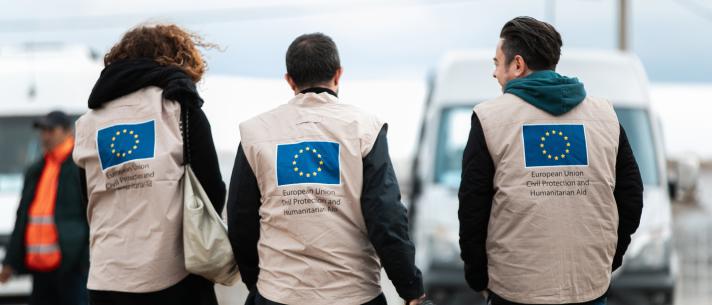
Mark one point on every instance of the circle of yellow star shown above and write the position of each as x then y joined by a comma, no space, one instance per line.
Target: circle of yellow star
542,145
314,152
122,153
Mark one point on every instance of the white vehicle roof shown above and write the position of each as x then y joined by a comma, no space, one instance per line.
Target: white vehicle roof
40,78
466,76
684,110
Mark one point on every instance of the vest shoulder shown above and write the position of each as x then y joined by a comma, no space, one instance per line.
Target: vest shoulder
602,107
150,93
140,96
260,121
341,112
599,102
356,113
370,124
496,104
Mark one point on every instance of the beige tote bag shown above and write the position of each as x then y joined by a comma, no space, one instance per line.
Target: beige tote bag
207,248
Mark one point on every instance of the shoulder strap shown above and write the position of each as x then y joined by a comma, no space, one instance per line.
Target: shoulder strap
185,118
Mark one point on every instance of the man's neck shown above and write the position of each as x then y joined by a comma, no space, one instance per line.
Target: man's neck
319,89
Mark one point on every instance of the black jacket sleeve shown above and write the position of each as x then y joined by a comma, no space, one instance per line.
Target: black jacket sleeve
475,196
83,187
243,219
387,221
629,197
204,158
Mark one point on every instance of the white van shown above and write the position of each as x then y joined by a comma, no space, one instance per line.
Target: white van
36,79
464,79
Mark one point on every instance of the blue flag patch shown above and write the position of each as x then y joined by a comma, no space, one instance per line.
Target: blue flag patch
122,143
308,162
555,145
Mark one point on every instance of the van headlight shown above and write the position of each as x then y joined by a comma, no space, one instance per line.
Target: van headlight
649,251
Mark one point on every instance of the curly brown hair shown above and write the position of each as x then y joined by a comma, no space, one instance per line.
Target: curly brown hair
167,44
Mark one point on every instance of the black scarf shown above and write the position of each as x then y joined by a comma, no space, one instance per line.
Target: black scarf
126,76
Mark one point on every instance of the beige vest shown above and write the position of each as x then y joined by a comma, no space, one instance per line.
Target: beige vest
313,245
135,212
553,228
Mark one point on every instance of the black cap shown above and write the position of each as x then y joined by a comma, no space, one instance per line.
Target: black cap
54,119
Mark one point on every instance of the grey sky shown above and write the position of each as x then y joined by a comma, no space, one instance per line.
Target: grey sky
378,39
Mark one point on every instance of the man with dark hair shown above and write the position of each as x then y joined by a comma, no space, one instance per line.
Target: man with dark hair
312,60
314,206
550,190
51,236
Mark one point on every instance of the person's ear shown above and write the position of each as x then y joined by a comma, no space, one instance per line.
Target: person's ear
520,66
337,76
291,83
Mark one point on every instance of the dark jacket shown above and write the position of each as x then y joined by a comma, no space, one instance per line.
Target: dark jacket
69,216
384,214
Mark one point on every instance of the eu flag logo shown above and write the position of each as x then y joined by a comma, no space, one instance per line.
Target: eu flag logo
121,143
308,162
555,145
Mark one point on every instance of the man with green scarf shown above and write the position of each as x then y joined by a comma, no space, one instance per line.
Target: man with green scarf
550,190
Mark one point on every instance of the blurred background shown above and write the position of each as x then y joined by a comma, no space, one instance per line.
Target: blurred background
420,65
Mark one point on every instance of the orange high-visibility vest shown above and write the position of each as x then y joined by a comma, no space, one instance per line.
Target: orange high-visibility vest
41,237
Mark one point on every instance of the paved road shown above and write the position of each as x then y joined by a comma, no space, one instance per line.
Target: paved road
693,241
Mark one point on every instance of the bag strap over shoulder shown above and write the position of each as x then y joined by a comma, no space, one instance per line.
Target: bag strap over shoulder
185,132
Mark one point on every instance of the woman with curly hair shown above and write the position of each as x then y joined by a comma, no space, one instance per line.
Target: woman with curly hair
130,147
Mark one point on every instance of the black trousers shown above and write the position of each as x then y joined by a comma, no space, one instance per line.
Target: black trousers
193,290
51,288
255,298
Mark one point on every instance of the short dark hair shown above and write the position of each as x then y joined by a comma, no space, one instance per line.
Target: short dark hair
536,41
312,59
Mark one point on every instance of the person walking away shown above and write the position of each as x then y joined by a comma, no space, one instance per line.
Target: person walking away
550,190
314,206
130,146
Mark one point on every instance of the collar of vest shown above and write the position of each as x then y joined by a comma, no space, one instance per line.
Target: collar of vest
315,95
318,90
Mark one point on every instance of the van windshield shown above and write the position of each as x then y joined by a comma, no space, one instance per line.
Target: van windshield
454,129
20,147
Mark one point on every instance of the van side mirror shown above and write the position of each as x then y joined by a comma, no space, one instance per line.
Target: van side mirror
683,175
